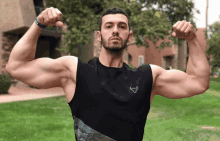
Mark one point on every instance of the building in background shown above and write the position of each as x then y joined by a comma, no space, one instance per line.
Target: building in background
15,19
174,56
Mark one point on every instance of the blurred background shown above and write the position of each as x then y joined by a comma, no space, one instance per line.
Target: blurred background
151,22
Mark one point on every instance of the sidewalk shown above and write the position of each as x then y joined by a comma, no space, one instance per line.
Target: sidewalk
26,93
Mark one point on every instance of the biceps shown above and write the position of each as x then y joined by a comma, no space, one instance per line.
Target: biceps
40,73
177,84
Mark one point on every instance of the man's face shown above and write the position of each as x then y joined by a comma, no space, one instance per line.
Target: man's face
115,32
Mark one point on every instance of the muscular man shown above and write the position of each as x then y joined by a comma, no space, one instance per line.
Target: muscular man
109,100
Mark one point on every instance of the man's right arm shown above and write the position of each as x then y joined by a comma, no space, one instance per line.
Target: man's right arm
24,50
42,72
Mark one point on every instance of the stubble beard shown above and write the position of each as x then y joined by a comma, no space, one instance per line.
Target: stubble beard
115,49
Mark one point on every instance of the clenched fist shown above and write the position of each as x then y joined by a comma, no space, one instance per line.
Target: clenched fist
50,16
184,30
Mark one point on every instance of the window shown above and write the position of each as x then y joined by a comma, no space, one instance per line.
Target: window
140,60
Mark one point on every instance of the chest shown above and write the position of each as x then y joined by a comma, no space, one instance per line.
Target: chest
119,87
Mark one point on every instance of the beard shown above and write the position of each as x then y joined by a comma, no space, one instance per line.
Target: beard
116,47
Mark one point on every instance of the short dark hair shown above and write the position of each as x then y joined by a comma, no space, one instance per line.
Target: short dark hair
114,10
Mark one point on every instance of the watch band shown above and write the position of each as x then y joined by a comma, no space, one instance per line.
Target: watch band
39,24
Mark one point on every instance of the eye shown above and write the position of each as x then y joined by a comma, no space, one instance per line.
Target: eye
122,27
108,26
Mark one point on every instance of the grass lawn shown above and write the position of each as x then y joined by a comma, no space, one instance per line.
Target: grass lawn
182,119
50,119
46,119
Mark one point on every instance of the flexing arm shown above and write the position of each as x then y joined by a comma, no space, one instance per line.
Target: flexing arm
198,65
42,72
24,50
177,84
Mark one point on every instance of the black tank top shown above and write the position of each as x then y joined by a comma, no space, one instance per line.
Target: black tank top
111,104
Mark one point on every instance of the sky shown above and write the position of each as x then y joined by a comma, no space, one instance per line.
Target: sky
213,12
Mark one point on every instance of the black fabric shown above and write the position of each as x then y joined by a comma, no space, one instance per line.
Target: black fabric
104,100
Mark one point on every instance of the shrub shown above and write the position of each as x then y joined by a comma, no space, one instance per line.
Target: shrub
215,70
184,70
5,83
215,79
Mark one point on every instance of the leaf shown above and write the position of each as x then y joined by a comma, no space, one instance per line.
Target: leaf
157,14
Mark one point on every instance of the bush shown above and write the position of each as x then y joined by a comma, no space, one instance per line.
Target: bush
214,71
215,79
184,70
5,83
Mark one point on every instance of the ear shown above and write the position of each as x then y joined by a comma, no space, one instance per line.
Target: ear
99,36
130,36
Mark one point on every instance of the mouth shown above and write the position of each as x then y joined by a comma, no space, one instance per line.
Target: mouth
116,39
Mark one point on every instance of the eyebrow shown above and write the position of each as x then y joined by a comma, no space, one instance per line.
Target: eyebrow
118,23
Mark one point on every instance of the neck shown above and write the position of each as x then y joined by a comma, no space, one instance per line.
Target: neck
111,59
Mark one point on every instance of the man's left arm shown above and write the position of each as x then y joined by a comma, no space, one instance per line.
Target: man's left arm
198,65
177,84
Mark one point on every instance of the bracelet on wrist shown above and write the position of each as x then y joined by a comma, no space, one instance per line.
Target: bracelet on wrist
39,24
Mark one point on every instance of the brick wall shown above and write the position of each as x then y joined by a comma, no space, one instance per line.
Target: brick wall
135,51
177,55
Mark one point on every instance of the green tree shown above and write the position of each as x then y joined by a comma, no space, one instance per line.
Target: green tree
214,45
176,10
82,18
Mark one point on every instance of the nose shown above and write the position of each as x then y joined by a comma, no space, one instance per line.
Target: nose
115,31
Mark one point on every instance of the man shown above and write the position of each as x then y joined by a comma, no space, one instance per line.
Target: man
108,100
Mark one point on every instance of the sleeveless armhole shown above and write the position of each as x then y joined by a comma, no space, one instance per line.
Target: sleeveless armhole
151,74
146,68
77,77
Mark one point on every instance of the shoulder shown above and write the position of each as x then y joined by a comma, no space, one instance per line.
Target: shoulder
71,63
156,72
157,69
70,59
155,66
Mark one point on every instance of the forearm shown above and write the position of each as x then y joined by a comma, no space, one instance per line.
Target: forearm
24,50
198,65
